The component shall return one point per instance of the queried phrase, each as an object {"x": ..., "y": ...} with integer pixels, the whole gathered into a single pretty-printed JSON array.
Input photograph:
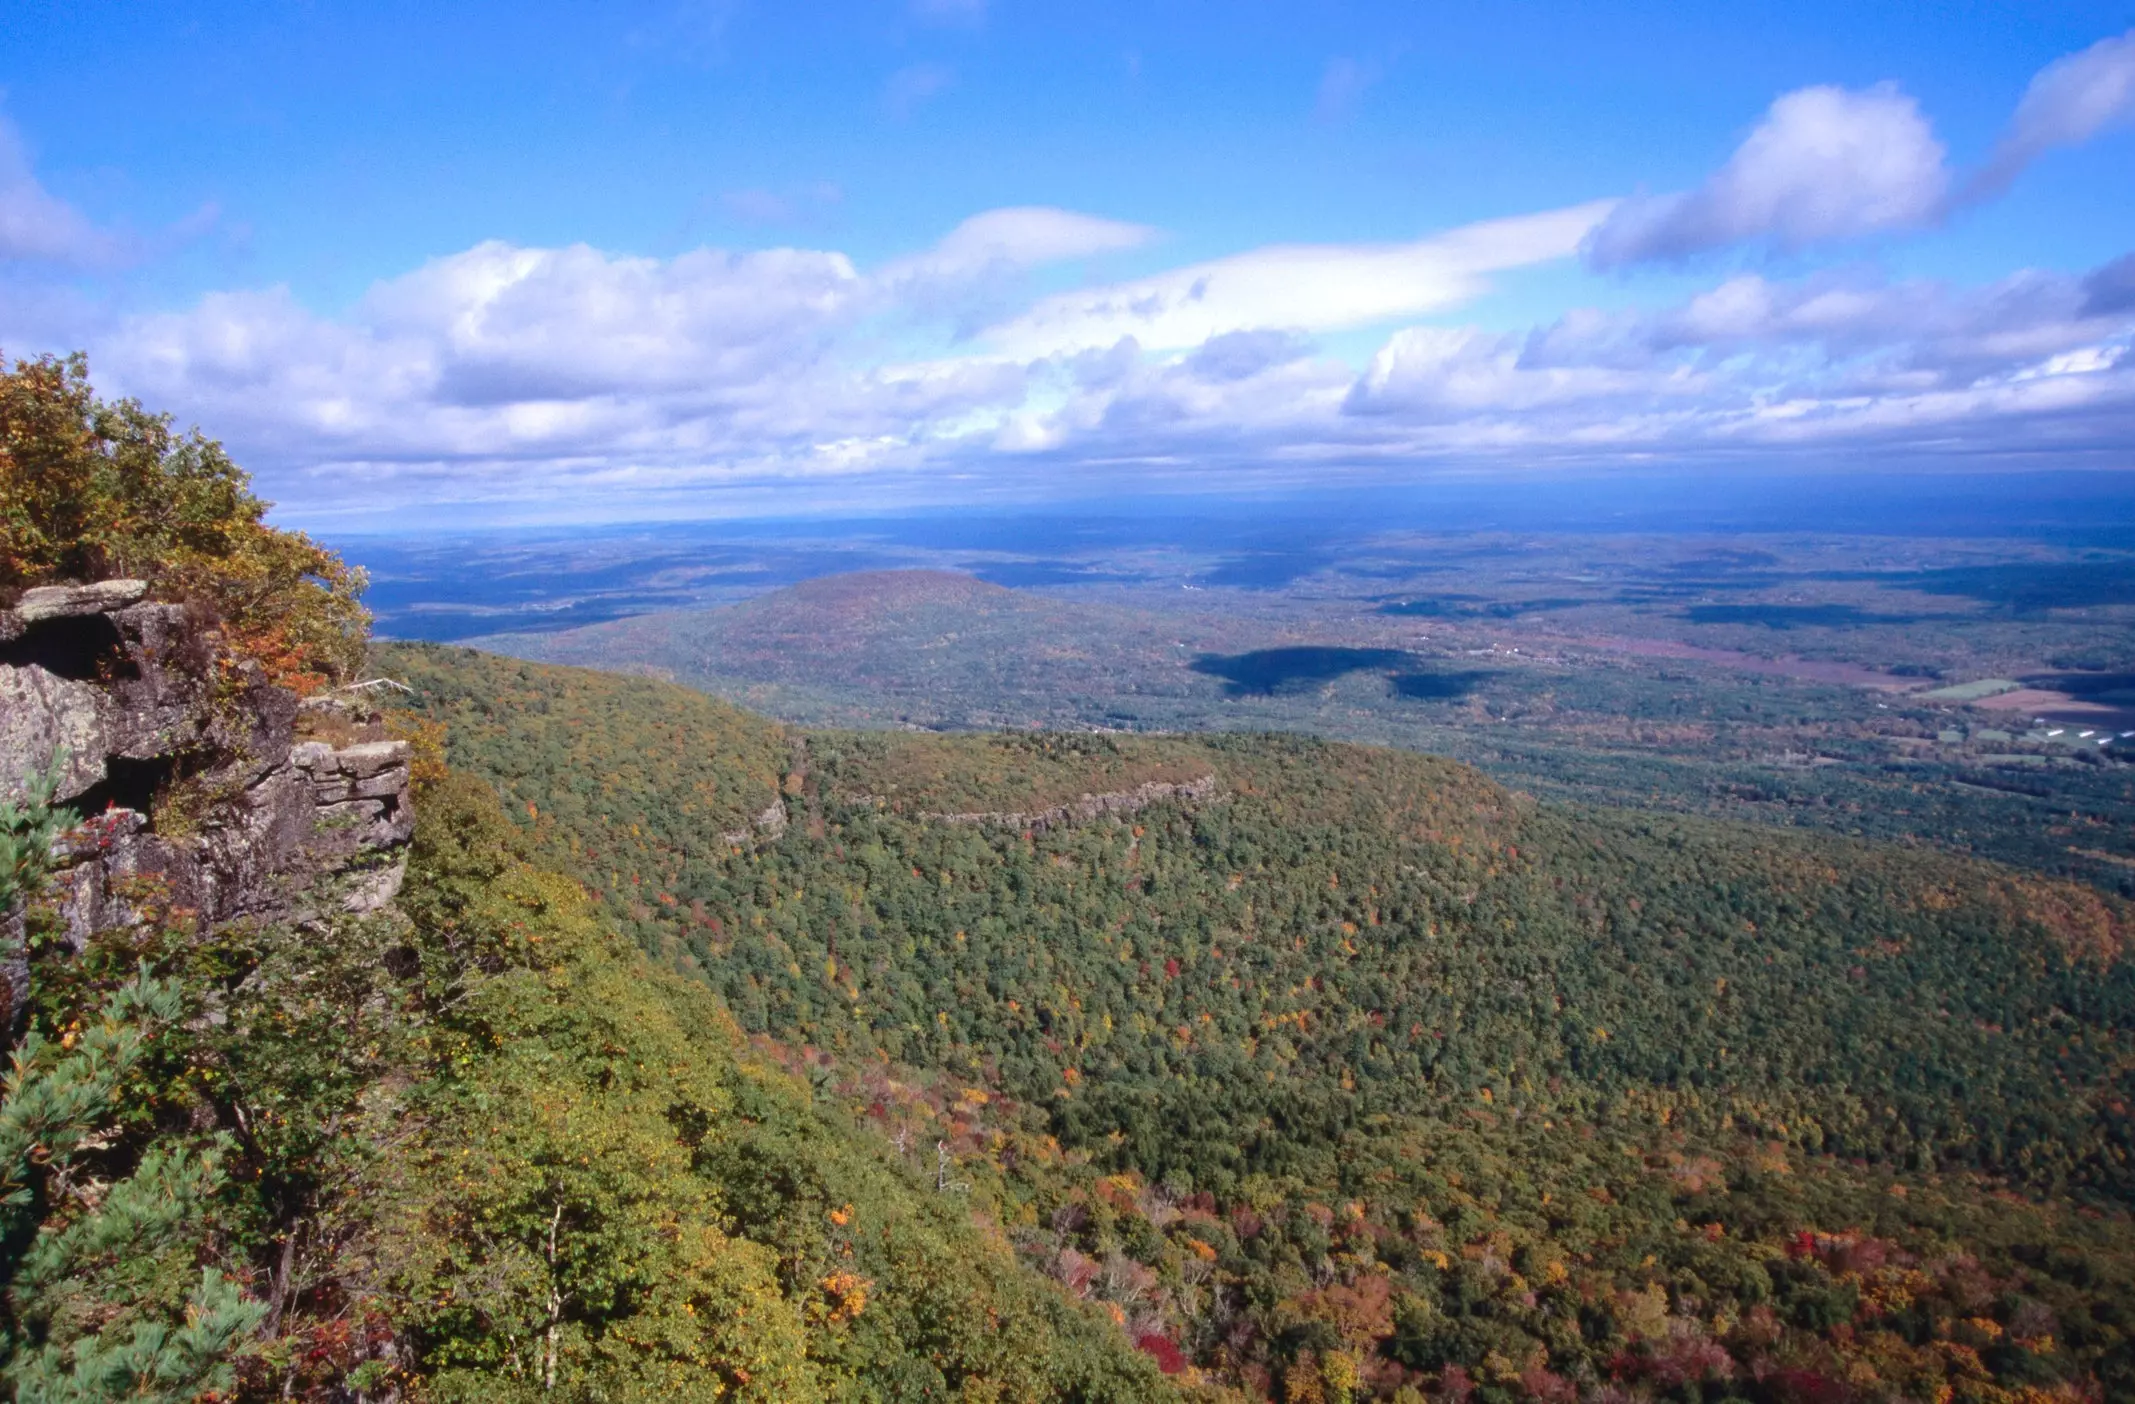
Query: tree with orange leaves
[{"x": 92, "y": 490}]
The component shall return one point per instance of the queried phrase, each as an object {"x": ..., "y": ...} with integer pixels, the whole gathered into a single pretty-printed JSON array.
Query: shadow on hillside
[
  {"x": 2015, "y": 587},
  {"x": 1271, "y": 672},
  {"x": 1436, "y": 687},
  {"x": 1267, "y": 671},
  {"x": 1021, "y": 575}
]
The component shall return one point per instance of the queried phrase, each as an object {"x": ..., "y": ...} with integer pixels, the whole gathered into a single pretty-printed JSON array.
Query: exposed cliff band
[
  {"x": 1084, "y": 809},
  {"x": 204, "y": 792}
]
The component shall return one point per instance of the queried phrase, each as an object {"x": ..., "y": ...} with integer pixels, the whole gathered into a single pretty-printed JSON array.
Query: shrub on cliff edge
[{"x": 92, "y": 489}]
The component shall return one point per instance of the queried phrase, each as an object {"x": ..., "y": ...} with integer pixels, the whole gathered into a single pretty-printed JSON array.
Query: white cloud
[
  {"x": 1305, "y": 287},
  {"x": 1830, "y": 164},
  {"x": 1025, "y": 236},
  {"x": 570, "y": 375},
  {"x": 1450, "y": 372},
  {"x": 503, "y": 356},
  {"x": 2070, "y": 101},
  {"x": 514, "y": 323},
  {"x": 1825, "y": 163},
  {"x": 547, "y": 369},
  {"x": 1240, "y": 355},
  {"x": 37, "y": 226},
  {"x": 978, "y": 271},
  {"x": 2023, "y": 368}
]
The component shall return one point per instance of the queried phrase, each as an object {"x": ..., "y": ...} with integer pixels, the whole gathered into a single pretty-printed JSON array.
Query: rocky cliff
[
  {"x": 1089, "y": 807},
  {"x": 205, "y": 794}
]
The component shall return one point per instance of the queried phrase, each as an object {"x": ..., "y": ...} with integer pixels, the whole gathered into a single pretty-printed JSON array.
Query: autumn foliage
[{"x": 92, "y": 489}]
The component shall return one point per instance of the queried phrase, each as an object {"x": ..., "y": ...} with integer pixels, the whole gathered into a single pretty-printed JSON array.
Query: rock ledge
[{"x": 200, "y": 800}]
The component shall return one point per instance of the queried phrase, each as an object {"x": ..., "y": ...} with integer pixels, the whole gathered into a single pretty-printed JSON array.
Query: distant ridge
[
  {"x": 889, "y": 589},
  {"x": 872, "y": 599},
  {"x": 929, "y": 647}
]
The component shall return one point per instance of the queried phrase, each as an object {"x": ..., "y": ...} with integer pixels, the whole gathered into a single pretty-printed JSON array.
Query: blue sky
[{"x": 711, "y": 257}]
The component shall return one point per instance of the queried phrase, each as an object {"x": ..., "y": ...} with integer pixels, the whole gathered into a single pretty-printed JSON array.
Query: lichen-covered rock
[
  {"x": 43, "y": 716},
  {"x": 129, "y": 684},
  {"x": 198, "y": 800},
  {"x": 71, "y": 601},
  {"x": 769, "y": 824}
]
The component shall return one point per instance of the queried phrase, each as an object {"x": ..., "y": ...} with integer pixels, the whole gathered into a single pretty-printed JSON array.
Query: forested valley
[{"x": 1338, "y": 1073}]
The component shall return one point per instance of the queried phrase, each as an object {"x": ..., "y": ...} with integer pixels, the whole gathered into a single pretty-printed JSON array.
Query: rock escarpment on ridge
[{"x": 204, "y": 792}]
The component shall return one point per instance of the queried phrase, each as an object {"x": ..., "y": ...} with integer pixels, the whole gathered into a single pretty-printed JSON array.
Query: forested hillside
[
  {"x": 481, "y": 1150},
  {"x": 457, "y": 1140},
  {"x": 936, "y": 645},
  {"x": 619, "y": 781},
  {"x": 1621, "y": 697},
  {"x": 1340, "y": 1072}
]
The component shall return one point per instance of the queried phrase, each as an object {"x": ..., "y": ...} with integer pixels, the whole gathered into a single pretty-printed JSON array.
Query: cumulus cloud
[
  {"x": 2111, "y": 289},
  {"x": 1024, "y": 236},
  {"x": 1825, "y": 163},
  {"x": 978, "y": 270},
  {"x": 1828, "y": 163},
  {"x": 1844, "y": 359},
  {"x": 2070, "y": 101},
  {"x": 2027, "y": 369},
  {"x": 502, "y": 354},
  {"x": 569, "y": 374},
  {"x": 37, "y": 226},
  {"x": 511, "y": 323},
  {"x": 1296, "y": 287},
  {"x": 569, "y": 356},
  {"x": 1458, "y": 371},
  {"x": 1240, "y": 355}
]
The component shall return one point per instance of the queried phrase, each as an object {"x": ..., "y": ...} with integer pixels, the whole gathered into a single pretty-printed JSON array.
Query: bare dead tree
[{"x": 943, "y": 1164}]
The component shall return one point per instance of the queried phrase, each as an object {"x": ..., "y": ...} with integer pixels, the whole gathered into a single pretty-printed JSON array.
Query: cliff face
[{"x": 205, "y": 795}]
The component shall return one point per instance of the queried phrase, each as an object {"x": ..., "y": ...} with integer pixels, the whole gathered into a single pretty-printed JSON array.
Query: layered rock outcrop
[
  {"x": 205, "y": 793},
  {"x": 1090, "y": 806}
]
